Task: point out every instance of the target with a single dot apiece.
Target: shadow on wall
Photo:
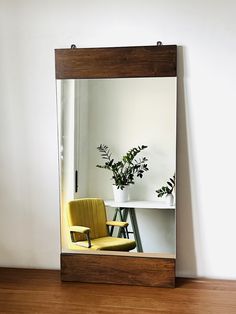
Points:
(186, 256)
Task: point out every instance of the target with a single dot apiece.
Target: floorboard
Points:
(41, 291)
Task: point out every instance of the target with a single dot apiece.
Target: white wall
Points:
(205, 32)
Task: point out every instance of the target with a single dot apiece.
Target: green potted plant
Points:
(123, 171)
(168, 191)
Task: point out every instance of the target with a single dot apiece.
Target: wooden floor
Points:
(41, 291)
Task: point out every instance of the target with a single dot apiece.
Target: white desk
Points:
(139, 204)
(125, 208)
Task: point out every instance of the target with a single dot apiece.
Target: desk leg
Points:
(121, 231)
(135, 229)
(123, 218)
(114, 219)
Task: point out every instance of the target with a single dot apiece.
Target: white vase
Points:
(120, 195)
(170, 199)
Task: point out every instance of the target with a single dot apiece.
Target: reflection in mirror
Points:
(100, 122)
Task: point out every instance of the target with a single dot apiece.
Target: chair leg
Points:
(72, 236)
(89, 240)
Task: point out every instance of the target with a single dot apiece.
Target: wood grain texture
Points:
(25, 291)
(129, 270)
(144, 61)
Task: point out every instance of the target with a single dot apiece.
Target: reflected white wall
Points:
(81, 136)
(125, 113)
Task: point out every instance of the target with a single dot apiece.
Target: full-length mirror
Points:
(117, 152)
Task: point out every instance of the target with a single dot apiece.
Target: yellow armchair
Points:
(88, 227)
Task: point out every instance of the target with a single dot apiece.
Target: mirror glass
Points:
(118, 124)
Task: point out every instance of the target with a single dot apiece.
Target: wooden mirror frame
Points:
(119, 62)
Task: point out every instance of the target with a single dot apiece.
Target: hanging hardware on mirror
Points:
(73, 46)
(159, 43)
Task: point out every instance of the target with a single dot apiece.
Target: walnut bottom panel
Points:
(113, 269)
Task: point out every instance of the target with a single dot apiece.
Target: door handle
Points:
(76, 181)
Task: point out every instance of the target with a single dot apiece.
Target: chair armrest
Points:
(83, 230)
(121, 224)
(79, 229)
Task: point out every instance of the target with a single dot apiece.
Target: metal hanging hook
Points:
(73, 46)
(159, 43)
